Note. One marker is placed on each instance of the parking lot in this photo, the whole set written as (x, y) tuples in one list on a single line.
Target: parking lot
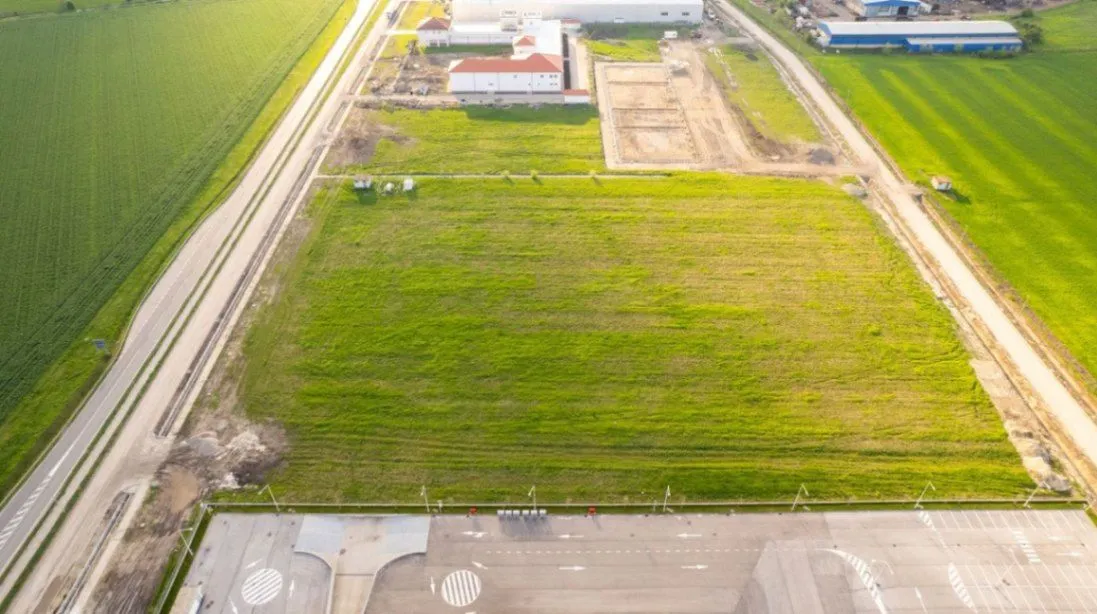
[(935, 561)]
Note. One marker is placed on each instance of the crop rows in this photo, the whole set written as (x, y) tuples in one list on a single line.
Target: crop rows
[(1019, 140), (111, 122)]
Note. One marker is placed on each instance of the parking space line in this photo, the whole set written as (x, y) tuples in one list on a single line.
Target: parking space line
[(993, 585)]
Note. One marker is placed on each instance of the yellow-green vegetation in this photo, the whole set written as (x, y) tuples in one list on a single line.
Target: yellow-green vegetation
[(751, 83), (397, 45), (416, 12), (1018, 137), (132, 121), (627, 43), (549, 139), (732, 336), (1070, 28)]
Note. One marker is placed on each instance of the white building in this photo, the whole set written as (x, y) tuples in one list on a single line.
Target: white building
[(533, 74), (536, 65), (586, 11)]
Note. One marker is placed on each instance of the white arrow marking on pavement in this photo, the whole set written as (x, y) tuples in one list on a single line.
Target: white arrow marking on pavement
[(292, 585), (919, 594), (252, 564), (479, 565), (688, 535), (476, 534), (694, 566), (573, 568), (432, 585), (570, 536), (233, 606)]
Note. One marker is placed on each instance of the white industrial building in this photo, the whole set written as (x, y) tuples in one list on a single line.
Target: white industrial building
[(536, 65), (586, 11)]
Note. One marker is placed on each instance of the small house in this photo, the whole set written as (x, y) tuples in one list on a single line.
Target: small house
[(409, 184), (363, 183), (941, 183)]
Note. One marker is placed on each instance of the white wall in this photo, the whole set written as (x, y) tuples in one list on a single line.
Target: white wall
[(428, 38), (593, 12), (506, 82)]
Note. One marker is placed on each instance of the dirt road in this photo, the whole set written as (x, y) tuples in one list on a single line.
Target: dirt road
[(196, 296), (1072, 418)]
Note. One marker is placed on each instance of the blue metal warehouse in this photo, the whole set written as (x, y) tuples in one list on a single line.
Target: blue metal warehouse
[(927, 36), (886, 8)]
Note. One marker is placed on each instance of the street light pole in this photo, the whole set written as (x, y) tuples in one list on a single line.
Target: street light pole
[(270, 492)]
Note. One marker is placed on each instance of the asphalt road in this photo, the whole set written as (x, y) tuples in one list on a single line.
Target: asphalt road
[(191, 295), (837, 562), (1074, 421)]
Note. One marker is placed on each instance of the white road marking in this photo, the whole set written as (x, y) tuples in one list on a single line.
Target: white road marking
[(292, 585), (233, 606), (921, 601), (479, 565), (572, 568), (688, 535), (862, 570), (959, 587), (252, 564), (461, 588), (1026, 546), (432, 587), (698, 567), (475, 534), (261, 587), (570, 536)]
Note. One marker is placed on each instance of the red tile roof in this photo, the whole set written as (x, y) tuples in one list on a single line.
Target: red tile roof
[(576, 92), (433, 23), (526, 40), (537, 62)]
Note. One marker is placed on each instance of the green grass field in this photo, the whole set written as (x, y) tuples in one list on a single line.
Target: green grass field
[(548, 139), (418, 11), (1019, 139), (732, 337), (750, 82), (627, 43), (109, 156)]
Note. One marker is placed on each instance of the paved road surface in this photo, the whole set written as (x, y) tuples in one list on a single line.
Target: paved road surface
[(839, 562), (193, 286), (1073, 418)]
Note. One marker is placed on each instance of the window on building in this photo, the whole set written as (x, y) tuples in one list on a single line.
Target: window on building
[(665, 13), (685, 13)]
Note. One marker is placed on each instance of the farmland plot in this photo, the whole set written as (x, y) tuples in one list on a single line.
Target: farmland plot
[(733, 337), (1018, 137), (112, 122)]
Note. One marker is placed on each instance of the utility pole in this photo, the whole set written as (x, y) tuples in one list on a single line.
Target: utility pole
[(666, 498), (795, 502), (918, 503), (270, 492), (533, 493)]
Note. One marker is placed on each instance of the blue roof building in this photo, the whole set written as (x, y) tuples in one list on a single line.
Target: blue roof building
[(926, 36), (887, 8)]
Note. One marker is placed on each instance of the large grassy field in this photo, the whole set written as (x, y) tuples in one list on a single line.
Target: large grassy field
[(1019, 139), (731, 337), (475, 139), (119, 128), (751, 82)]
